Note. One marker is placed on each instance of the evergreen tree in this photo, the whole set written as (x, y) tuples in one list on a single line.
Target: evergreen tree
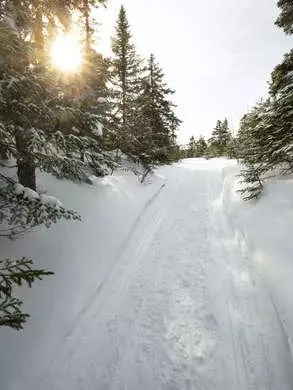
[(191, 148), (47, 125), (14, 273), (126, 71), (201, 147), (220, 139), (90, 97), (41, 126), (281, 75), (285, 19), (266, 133), (156, 121), (253, 153)]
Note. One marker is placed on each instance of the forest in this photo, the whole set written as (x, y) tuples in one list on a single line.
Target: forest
[(82, 120)]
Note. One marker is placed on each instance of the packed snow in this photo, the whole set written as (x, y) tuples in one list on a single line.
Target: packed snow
[(174, 284)]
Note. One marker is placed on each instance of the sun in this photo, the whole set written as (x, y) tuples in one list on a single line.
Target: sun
[(66, 53)]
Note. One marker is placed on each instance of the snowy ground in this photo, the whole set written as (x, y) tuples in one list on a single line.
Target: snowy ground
[(172, 285)]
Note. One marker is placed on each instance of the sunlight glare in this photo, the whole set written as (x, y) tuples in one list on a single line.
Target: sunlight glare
[(66, 53)]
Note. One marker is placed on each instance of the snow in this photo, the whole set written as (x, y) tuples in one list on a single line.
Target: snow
[(99, 128), (102, 100), (265, 228), (50, 200), (18, 189), (176, 284), (27, 193), (30, 194)]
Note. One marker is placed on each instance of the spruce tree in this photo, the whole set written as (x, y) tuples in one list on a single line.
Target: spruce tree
[(41, 126), (253, 153), (285, 19), (89, 100), (126, 71), (266, 131), (191, 147), (201, 147), (156, 109), (220, 139), (49, 125), (15, 273)]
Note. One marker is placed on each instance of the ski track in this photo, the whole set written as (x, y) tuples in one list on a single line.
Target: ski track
[(182, 308)]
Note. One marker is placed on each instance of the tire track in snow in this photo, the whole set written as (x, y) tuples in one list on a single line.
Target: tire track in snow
[(140, 331), (240, 338), (122, 250)]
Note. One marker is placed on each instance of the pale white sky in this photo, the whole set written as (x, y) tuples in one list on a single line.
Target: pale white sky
[(216, 54)]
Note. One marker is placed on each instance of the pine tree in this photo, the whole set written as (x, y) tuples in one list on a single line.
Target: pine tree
[(156, 109), (14, 273), (266, 133), (201, 147), (89, 99), (191, 147), (252, 138), (47, 125), (285, 19), (126, 71), (220, 139), (279, 122), (41, 126), (281, 74)]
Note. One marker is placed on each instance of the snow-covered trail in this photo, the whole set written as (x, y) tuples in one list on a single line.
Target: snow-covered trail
[(182, 307)]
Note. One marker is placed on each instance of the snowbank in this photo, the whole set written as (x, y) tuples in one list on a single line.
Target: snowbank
[(82, 255), (264, 230)]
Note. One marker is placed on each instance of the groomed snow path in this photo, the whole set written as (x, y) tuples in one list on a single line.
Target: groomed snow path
[(182, 307)]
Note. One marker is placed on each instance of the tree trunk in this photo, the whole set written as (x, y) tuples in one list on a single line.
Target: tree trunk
[(26, 169)]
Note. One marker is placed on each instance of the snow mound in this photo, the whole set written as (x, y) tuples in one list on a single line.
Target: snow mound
[(264, 228), (81, 254), (50, 200)]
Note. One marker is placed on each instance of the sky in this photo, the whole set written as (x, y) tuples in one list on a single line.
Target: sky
[(216, 54)]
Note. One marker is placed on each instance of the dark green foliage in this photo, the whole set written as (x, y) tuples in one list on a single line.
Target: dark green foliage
[(15, 273), (22, 210), (285, 19), (195, 148), (201, 147), (266, 134), (220, 140), (282, 74), (36, 114), (191, 148), (125, 74), (155, 121), (143, 120), (68, 125), (252, 140), (253, 184)]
